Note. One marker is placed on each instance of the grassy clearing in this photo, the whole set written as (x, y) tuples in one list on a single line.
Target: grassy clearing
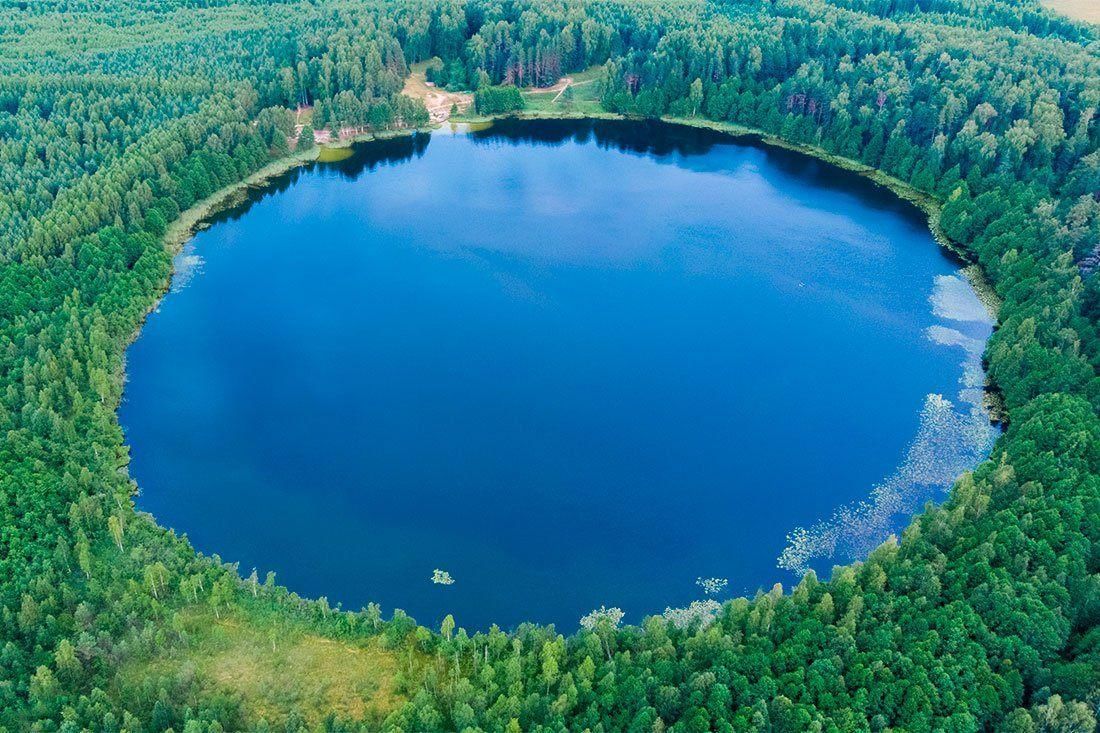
[(438, 102), (579, 96), (333, 154), (546, 103), (1086, 10), (592, 73), (274, 669)]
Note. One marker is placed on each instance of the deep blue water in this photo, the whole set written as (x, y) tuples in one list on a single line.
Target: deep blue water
[(572, 364)]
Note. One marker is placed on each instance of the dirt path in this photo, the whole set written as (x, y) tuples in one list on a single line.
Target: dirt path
[(559, 86), (438, 101), (570, 84)]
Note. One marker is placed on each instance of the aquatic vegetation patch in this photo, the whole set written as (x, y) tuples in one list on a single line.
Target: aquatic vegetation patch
[(953, 437), (602, 616), (955, 299), (712, 586), (330, 154), (188, 265), (701, 613)]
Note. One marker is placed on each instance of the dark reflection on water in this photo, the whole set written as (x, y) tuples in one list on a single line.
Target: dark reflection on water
[(670, 143), (369, 156), (645, 137), (366, 157), (571, 363)]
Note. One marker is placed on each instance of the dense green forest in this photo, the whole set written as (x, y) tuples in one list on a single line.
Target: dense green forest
[(118, 115)]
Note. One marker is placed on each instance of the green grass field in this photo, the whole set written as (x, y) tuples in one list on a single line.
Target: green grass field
[(275, 667), (581, 97)]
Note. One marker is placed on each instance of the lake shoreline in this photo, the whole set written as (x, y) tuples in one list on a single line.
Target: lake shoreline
[(267, 182), (194, 219), (926, 203)]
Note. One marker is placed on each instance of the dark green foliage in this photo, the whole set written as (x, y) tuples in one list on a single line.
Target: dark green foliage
[(116, 117), (498, 100)]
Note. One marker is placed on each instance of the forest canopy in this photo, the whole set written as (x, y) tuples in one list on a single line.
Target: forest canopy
[(117, 116)]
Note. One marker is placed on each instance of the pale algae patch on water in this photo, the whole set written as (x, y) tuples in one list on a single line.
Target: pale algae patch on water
[(958, 298), (954, 436), (187, 265), (698, 614)]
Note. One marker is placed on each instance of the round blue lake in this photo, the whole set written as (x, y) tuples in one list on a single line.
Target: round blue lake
[(572, 364)]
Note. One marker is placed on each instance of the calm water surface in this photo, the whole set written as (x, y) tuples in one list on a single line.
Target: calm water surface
[(572, 364)]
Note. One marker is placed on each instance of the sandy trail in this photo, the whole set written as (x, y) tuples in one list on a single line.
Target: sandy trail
[(560, 86), (438, 101), (570, 84)]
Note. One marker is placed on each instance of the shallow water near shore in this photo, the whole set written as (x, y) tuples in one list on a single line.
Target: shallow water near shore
[(570, 364)]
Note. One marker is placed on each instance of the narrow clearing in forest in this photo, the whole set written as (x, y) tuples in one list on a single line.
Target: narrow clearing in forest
[(277, 669), (562, 84), (438, 101)]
